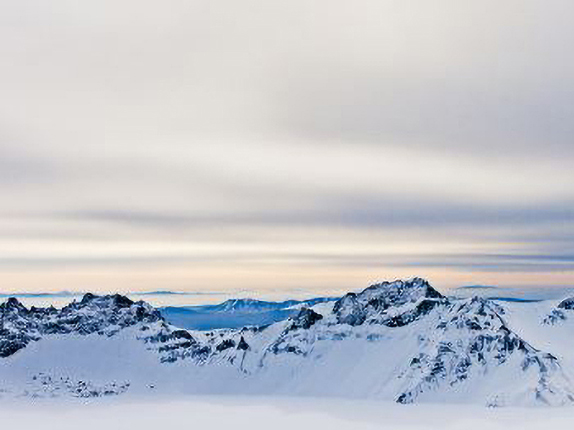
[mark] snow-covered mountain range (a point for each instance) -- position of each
(401, 341)
(236, 313)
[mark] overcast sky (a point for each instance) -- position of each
(203, 145)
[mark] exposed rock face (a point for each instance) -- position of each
(242, 345)
(17, 328)
(305, 319)
(349, 310)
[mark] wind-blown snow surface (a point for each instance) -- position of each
(257, 413)
(400, 342)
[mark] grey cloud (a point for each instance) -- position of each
(17, 167)
(384, 212)
(172, 116)
(441, 116)
(523, 263)
(487, 81)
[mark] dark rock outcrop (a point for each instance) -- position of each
(305, 319)
(567, 304)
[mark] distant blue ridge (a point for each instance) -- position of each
(175, 293)
(477, 287)
(40, 295)
(235, 313)
(59, 294)
(514, 299)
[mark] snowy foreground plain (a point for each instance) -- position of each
(254, 413)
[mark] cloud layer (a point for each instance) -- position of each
(296, 144)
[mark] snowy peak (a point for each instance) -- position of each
(93, 314)
(105, 314)
(561, 312)
(253, 305)
(471, 341)
(12, 305)
(236, 313)
(399, 292)
(390, 303)
(243, 305)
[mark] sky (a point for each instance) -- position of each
(209, 145)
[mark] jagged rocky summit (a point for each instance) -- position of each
(561, 312)
(104, 315)
(401, 341)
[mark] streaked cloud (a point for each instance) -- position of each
(237, 142)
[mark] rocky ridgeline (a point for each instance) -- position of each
(394, 304)
(104, 315)
(380, 306)
(458, 340)
(107, 316)
(461, 340)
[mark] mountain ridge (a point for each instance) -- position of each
(417, 345)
